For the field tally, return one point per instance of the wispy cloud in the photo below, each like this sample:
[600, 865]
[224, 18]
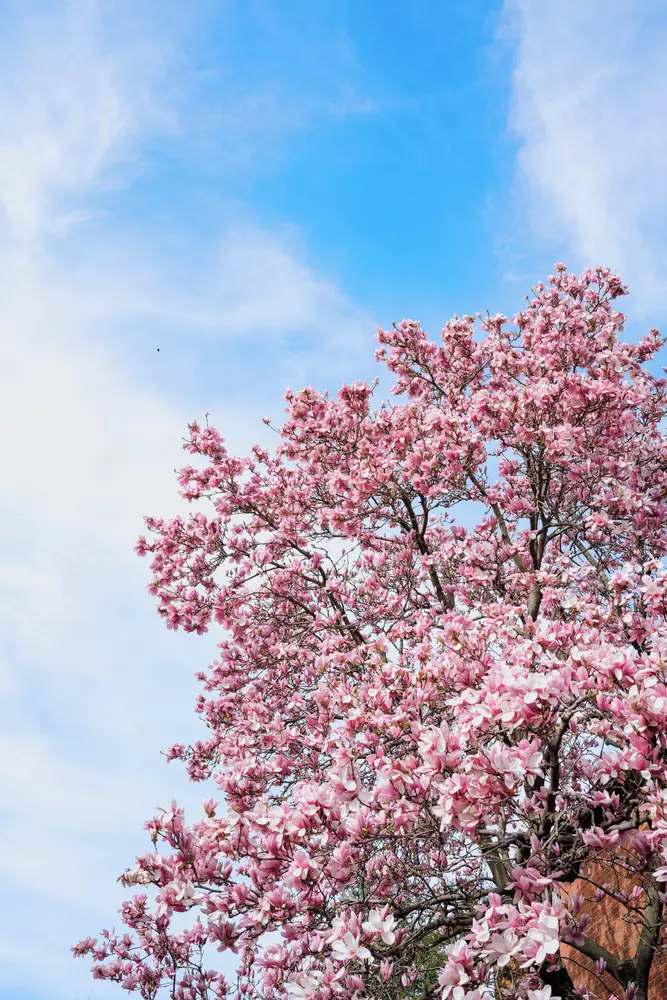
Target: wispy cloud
[81, 454]
[71, 109]
[590, 110]
[92, 418]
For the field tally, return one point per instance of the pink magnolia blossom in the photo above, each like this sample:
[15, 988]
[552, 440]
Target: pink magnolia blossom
[502, 947]
[348, 947]
[543, 994]
[382, 924]
[452, 977]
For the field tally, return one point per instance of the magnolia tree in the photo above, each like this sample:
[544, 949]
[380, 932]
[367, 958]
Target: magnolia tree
[440, 701]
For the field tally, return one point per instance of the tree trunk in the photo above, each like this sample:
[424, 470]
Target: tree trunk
[560, 982]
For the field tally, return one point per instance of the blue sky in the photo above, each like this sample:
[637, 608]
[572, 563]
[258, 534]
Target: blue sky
[251, 187]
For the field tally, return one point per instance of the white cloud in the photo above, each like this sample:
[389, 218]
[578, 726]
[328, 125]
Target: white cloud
[590, 108]
[248, 283]
[92, 686]
[70, 109]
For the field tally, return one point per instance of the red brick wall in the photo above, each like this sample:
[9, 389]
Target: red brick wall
[609, 926]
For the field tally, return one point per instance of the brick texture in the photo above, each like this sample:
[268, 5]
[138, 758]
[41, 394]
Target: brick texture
[610, 925]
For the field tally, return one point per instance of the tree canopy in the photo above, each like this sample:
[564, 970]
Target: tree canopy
[441, 693]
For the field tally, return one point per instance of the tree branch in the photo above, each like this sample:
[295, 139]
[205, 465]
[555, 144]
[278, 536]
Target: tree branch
[595, 951]
[650, 934]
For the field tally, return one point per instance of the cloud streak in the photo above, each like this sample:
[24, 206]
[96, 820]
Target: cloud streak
[71, 111]
[92, 686]
[590, 111]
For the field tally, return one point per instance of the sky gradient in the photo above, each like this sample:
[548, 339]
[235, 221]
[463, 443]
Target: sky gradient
[250, 188]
